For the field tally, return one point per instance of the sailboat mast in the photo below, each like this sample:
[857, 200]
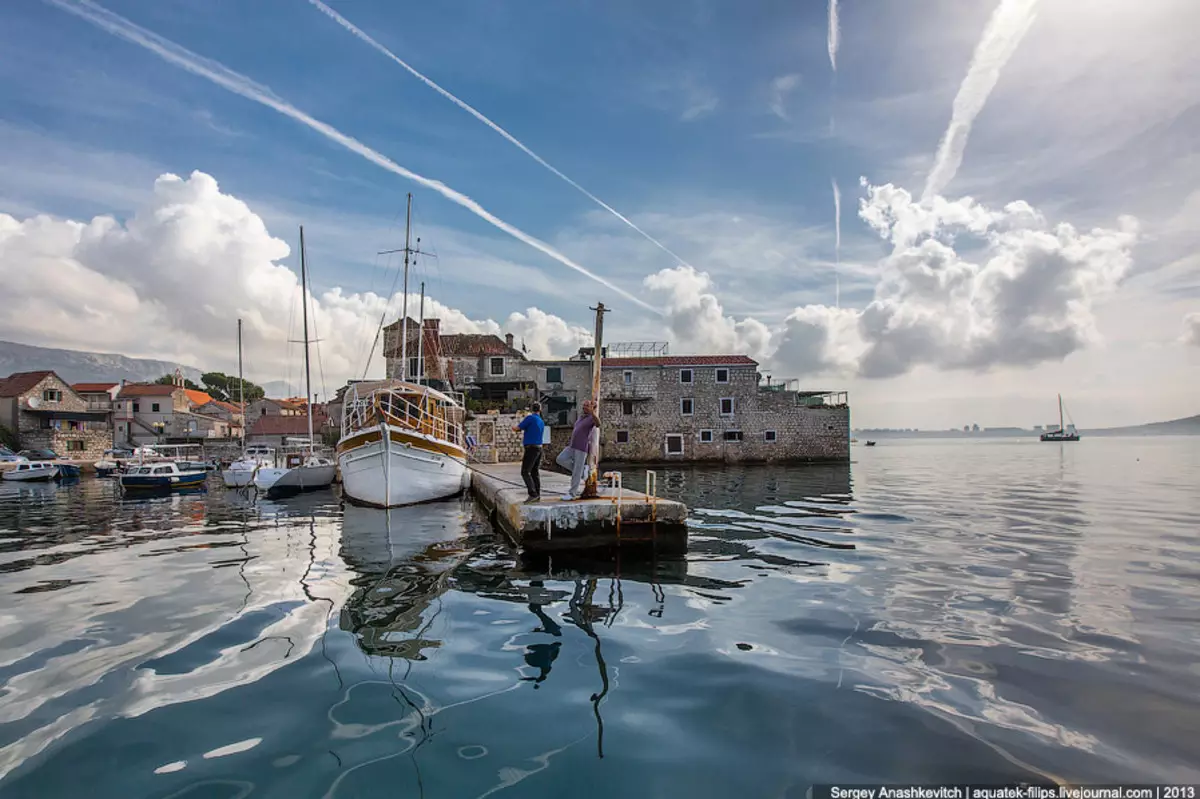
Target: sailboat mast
[1060, 415]
[307, 373]
[404, 317]
[421, 339]
[241, 385]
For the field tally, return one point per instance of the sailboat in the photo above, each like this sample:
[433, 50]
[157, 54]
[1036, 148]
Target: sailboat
[402, 442]
[241, 472]
[312, 473]
[1064, 432]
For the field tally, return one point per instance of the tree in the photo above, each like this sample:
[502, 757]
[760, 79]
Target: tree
[226, 388]
[169, 380]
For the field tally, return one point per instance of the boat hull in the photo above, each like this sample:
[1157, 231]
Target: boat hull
[280, 483]
[403, 469]
[32, 475]
[1064, 437]
[237, 478]
[151, 482]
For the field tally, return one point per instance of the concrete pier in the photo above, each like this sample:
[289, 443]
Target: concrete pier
[632, 520]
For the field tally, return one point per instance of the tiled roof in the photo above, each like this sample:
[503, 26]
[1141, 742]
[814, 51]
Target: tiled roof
[18, 383]
[146, 390]
[273, 425]
[225, 406]
[197, 398]
[93, 388]
[680, 360]
[475, 344]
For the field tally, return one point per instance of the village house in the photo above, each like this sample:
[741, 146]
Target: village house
[44, 412]
[274, 430]
[157, 413]
[274, 407]
[488, 369]
[225, 411]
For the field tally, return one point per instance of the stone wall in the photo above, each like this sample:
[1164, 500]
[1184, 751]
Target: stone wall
[83, 440]
[503, 442]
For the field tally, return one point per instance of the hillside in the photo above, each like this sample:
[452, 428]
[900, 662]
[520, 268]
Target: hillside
[1188, 426]
[85, 367]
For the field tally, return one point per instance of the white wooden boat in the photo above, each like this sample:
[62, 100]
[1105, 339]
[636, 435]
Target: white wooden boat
[401, 443]
[32, 471]
[241, 472]
[310, 474]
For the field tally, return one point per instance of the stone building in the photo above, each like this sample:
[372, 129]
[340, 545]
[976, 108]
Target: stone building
[274, 429]
[274, 407]
[489, 369]
[156, 413]
[715, 408]
[46, 413]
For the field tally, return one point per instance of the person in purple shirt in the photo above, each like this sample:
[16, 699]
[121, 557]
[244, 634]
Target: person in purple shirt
[575, 456]
[534, 429]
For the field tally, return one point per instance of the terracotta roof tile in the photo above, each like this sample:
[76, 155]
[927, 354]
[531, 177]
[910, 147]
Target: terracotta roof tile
[274, 425]
[18, 383]
[197, 397]
[145, 390]
[681, 360]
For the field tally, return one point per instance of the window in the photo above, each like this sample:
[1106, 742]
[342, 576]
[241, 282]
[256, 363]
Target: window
[722, 375]
[496, 367]
[727, 406]
[674, 444]
[627, 408]
[685, 406]
[769, 437]
[52, 395]
[705, 436]
[628, 378]
[154, 407]
[733, 435]
[137, 407]
[622, 436]
[414, 367]
[73, 425]
[685, 375]
[553, 374]
[75, 446]
[162, 470]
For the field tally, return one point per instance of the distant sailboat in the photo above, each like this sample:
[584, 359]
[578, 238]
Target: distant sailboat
[1064, 432]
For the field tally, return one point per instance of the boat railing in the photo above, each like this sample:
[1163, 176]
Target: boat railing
[423, 413]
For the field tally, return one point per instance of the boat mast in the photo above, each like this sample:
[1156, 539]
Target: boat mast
[404, 317]
[307, 374]
[1061, 427]
[241, 385]
[421, 339]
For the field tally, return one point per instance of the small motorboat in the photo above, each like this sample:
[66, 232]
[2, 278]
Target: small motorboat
[32, 471]
[161, 475]
[107, 468]
[68, 471]
[241, 472]
[870, 443]
[313, 474]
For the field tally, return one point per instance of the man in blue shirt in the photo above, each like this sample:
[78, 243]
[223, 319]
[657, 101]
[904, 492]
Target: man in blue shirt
[534, 429]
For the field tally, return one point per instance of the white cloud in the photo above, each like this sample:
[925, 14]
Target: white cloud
[781, 87]
[834, 35]
[696, 319]
[1191, 329]
[964, 287]
[172, 280]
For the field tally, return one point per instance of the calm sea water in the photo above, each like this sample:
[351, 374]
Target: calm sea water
[961, 611]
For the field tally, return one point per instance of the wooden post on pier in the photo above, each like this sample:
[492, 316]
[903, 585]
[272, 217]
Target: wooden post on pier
[591, 488]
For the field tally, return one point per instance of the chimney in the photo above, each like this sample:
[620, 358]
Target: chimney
[508, 339]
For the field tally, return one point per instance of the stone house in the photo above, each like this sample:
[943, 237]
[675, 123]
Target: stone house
[487, 368]
[155, 413]
[225, 411]
[274, 407]
[44, 412]
[715, 408]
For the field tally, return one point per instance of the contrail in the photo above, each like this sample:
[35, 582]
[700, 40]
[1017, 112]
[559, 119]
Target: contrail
[361, 34]
[1008, 25]
[240, 84]
[834, 37]
[837, 244]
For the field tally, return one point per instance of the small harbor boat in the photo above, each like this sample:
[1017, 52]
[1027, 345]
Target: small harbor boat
[32, 472]
[110, 464]
[241, 473]
[1065, 432]
[68, 471]
[161, 475]
[870, 443]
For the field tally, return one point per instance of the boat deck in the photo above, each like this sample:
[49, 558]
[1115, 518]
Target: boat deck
[632, 520]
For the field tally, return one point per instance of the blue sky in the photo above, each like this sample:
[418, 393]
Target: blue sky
[716, 127]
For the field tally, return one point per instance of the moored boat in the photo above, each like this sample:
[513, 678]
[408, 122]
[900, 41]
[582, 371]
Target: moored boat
[241, 473]
[1064, 432]
[401, 443]
[32, 471]
[161, 475]
[68, 471]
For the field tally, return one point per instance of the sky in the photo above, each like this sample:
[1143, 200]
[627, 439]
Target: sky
[954, 211]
